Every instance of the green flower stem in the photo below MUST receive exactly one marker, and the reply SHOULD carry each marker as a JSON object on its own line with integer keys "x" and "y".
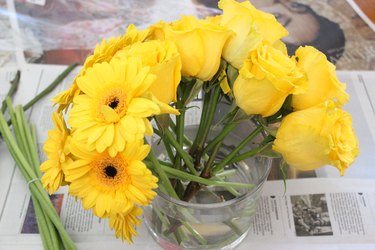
{"x": 180, "y": 123}
{"x": 39, "y": 192}
{"x": 35, "y": 187}
{"x": 46, "y": 228}
{"x": 210, "y": 116}
{"x": 207, "y": 167}
{"x": 189, "y": 177}
{"x": 13, "y": 88}
{"x": 220, "y": 137}
{"x": 195, "y": 233}
{"x": 165, "y": 163}
{"x": 248, "y": 154}
{"x": 234, "y": 226}
{"x": 33, "y": 133}
{"x": 54, "y": 236}
{"x": 17, "y": 128}
{"x": 219, "y": 176}
{"x": 202, "y": 122}
{"x": 22, "y": 135}
{"x": 163, "y": 176}
{"x": 30, "y": 142}
{"x": 31, "y": 147}
{"x": 226, "y": 173}
{"x": 165, "y": 142}
{"x": 42, "y": 225}
{"x": 185, "y": 156}
{"x": 186, "y": 140}
{"x": 47, "y": 90}
{"x": 231, "y": 190}
{"x": 229, "y": 157}
{"x": 53, "y": 85}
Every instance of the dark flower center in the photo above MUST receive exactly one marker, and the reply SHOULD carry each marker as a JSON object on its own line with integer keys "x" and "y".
{"x": 114, "y": 103}
{"x": 110, "y": 171}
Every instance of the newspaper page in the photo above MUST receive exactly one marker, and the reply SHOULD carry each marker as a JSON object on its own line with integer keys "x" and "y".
{"x": 319, "y": 211}
{"x": 311, "y": 211}
{"x": 315, "y": 212}
{"x": 362, "y": 11}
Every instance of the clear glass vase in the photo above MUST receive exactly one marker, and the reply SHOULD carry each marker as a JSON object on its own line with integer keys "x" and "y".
{"x": 216, "y": 217}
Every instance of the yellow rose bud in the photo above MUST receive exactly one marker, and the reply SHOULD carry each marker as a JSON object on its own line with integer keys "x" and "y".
{"x": 322, "y": 80}
{"x": 165, "y": 63}
{"x": 266, "y": 79}
{"x": 251, "y": 26}
{"x": 199, "y": 42}
{"x": 313, "y": 137}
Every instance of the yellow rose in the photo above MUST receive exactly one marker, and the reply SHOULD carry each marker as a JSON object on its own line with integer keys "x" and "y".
{"x": 322, "y": 81}
{"x": 251, "y": 27}
{"x": 313, "y": 137}
{"x": 266, "y": 79}
{"x": 165, "y": 63}
{"x": 199, "y": 42}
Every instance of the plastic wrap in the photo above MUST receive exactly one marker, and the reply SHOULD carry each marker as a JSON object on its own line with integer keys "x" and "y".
{"x": 61, "y": 31}
{"x": 65, "y": 31}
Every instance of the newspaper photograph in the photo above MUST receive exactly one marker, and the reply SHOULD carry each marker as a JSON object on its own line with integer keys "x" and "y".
{"x": 335, "y": 28}
{"x": 46, "y": 36}
{"x": 313, "y": 211}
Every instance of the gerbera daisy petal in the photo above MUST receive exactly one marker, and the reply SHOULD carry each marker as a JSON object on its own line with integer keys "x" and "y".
{"x": 124, "y": 224}
{"x": 136, "y": 195}
{"x": 78, "y": 149}
{"x": 142, "y": 107}
{"x": 90, "y": 200}
{"x": 54, "y": 149}
{"x": 109, "y": 183}
{"x": 112, "y": 101}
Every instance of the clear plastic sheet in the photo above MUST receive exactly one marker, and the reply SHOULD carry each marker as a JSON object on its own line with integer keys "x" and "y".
{"x": 66, "y": 31}
{"x": 42, "y": 29}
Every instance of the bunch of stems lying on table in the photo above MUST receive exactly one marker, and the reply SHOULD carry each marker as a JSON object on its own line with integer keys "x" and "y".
{"x": 20, "y": 138}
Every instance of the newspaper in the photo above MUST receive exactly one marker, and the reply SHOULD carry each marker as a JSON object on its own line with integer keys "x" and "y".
{"x": 316, "y": 211}
{"x": 319, "y": 211}
{"x": 311, "y": 211}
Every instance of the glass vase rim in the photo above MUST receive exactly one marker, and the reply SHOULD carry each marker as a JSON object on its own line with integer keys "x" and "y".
{"x": 230, "y": 202}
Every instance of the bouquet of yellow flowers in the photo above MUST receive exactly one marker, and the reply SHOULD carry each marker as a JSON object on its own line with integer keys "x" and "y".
{"x": 143, "y": 83}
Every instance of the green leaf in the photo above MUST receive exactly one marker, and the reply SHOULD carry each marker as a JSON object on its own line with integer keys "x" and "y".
{"x": 232, "y": 74}
{"x": 194, "y": 91}
{"x": 163, "y": 122}
{"x": 267, "y": 151}
{"x": 284, "y": 171}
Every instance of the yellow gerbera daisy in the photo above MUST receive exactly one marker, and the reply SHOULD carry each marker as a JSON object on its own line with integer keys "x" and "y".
{"x": 103, "y": 52}
{"x": 57, "y": 154}
{"x": 124, "y": 224}
{"x": 113, "y": 110}
{"x": 108, "y": 184}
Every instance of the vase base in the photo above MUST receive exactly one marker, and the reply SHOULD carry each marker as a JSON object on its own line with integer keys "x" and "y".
{"x": 166, "y": 244}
